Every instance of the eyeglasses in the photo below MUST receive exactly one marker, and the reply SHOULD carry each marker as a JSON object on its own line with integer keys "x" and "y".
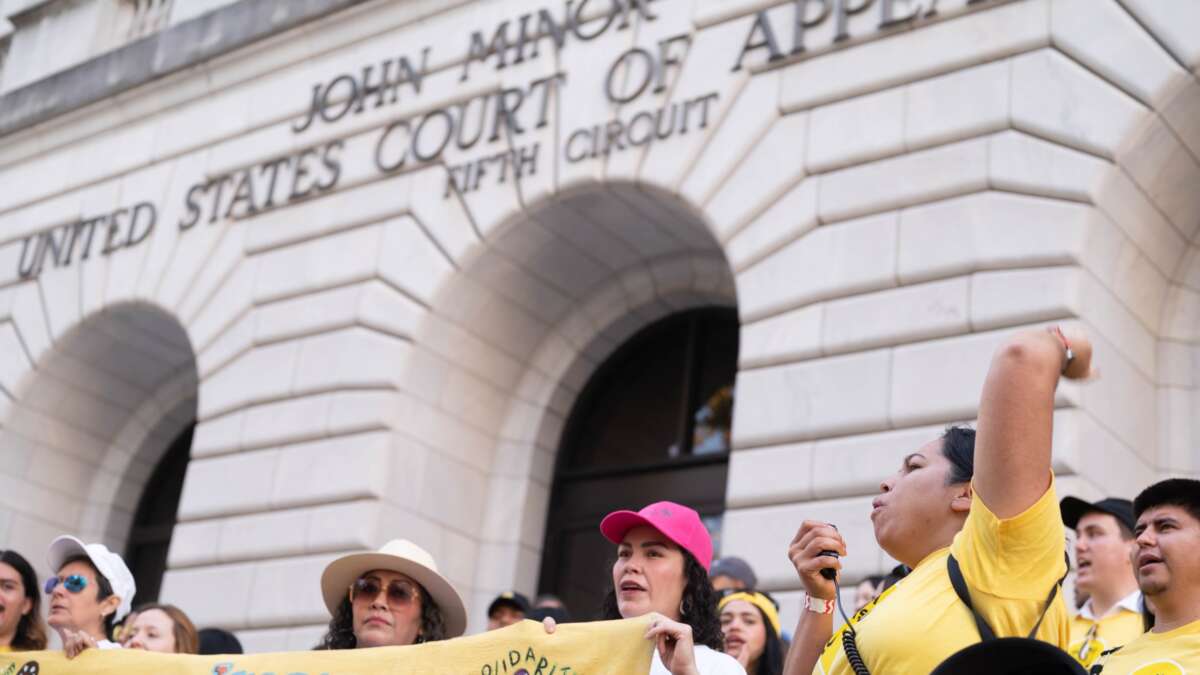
{"x": 73, "y": 583}
{"x": 399, "y": 593}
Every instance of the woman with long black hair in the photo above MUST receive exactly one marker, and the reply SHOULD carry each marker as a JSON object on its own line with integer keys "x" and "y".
{"x": 750, "y": 622}
{"x": 21, "y": 627}
{"x": 663, "y": 556}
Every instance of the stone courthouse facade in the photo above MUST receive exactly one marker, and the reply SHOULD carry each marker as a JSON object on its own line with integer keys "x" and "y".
{"x": 306, "y": 275}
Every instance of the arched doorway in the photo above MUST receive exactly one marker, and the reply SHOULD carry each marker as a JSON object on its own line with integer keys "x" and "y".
{"x": 653, "y": 423}
{"x": 104, "y": 416}
{"x": 520, "y": 329}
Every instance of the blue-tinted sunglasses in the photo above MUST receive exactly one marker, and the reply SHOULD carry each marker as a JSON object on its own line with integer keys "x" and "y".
{"x": 73, "y": 583}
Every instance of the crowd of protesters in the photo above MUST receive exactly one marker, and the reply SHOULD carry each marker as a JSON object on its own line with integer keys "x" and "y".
{"x": 972, "y": 517}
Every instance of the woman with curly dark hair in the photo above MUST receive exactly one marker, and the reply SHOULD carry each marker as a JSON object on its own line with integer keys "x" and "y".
{"x": 392, "y": 597}
{"x": 663, "y": 556}
{"x": 21, "y": 627}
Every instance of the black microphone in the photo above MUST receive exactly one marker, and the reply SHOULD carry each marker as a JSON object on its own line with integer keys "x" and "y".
{"x": 828, "y": 572}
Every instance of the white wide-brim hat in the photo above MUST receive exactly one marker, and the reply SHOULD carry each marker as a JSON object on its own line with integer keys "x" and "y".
{"x": 404, "y": 557}
{"x": 107, "y": 563}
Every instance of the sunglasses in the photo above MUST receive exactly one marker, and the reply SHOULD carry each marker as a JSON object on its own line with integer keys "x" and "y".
{"x": 399, "y": 593}
{"x": 73, "y": 583}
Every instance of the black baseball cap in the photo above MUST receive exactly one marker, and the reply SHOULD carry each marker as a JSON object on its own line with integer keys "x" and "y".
{"x": 1010, "y": 656}
{"x": 510, "y": 599}
{"x": 1074, "y": 508}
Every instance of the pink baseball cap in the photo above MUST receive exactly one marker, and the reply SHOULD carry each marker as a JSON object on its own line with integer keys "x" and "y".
{"x": 677, "y": 522}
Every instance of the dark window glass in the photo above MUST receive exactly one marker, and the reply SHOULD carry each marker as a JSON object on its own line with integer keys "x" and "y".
{"x": 652, "y": 424}
{"x": 631, "y": 415}
{"x": 150, "y": 538}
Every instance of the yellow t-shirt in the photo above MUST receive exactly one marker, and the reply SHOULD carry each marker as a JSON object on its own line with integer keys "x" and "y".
{"x": 1089, "y": 637}
{"x": 1173, "y": 653}
{"x": 4, "y": 649}
{"x": 1009, "y": 566}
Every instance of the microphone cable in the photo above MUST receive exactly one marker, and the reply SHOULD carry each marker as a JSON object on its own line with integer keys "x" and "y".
{"x": 849, "y": 636}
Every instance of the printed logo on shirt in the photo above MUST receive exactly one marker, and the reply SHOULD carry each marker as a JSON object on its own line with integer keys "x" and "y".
{"x": 1163, "y": 667}
{"x": 1087, "y": 651}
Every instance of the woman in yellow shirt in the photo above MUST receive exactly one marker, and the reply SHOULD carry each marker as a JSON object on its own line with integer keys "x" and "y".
{"x": 983, "y": 500}
{"x": 21, "y": 627}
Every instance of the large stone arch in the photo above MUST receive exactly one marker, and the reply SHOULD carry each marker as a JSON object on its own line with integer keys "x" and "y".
{"x": 86, "y": 423}
{"x": 1164, "y": 158}
{"x": 528, "y": 317}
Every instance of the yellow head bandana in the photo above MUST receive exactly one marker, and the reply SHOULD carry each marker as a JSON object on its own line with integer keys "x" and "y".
{"x": 758, "y": 600}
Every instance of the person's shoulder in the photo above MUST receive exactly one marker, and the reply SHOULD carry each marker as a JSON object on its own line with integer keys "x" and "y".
{"x": 1020, "y": 556}
{"x": 1043, "y": 510}
{"x": 712, "y": 662}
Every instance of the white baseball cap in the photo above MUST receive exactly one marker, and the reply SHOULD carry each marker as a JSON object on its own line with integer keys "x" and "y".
{"x": 106, "y": 563}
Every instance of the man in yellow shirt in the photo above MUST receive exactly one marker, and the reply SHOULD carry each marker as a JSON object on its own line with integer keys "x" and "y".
{"x": 984, "y": 499}
{"x": 1168, "y": 572}
{"x": 1104, "y": 550}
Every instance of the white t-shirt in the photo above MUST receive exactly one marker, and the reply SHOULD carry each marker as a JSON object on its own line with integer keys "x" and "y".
{"x": 708, "y": 662}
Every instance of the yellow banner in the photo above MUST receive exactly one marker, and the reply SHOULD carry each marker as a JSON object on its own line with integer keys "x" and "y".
{"x": 598, "y": 648}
